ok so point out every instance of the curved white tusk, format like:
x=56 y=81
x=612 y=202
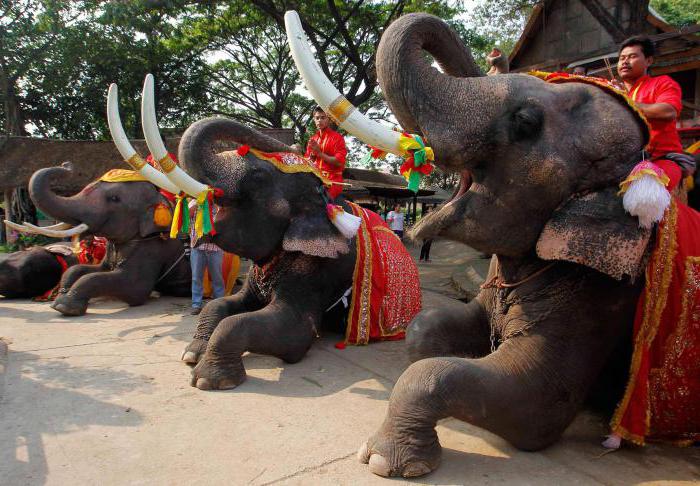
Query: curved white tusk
x=58 y=227
x=52 y=231
x=329 y=98
x=76 y=230
x=19 y=227
x=155 y=144
x=127 y=151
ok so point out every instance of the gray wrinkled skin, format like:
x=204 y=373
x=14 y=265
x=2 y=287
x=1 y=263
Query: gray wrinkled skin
x=137 y=256
x=31 y=272
x=545 y=160
x=279 y=221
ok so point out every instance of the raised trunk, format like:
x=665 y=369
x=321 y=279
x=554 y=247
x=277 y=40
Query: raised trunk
x=201 y=142
x=67 y=209
x=453 y=112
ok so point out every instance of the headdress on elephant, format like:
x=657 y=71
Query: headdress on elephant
x=291 y=163
x=162 y=213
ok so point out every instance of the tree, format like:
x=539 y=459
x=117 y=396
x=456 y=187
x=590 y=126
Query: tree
x=678 y=12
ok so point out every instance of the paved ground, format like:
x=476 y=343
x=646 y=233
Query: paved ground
x=103 y=399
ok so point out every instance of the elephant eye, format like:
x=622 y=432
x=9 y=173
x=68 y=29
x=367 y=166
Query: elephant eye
x=527 y=123
x=113 y=198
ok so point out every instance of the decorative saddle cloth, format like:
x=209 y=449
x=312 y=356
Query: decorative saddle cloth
x=386 y=291
x=662 y=400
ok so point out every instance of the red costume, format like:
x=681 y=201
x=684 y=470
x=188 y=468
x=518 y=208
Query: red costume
x=332 y=143
x=386 y=291
x=663 y=134
x=662 y=399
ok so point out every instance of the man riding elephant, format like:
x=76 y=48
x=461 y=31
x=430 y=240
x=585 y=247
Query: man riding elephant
x=545 y=160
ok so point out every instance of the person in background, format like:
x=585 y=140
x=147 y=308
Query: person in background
x=204 y=254
x=425 y=249
x=395 y=220
x=327 y=150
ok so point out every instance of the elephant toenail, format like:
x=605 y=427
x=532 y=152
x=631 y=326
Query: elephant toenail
x=189 y=357
x=363 y=453
x=379 y=465
x=415 y=469
x=227 y=385
x=204 y=384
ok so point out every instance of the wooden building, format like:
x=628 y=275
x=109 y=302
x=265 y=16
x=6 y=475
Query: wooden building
x=563 y=34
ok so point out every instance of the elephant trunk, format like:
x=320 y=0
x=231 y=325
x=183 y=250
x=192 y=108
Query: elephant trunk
x=198 y=146
x=67 y=209
x=453 y=109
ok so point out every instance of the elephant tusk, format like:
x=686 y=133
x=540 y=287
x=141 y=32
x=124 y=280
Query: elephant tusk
x=126 y=150
x=329 y=98
x=155 y=144
x=19 y=227
x=38 y=229
x=61 y=230
x=76 y=230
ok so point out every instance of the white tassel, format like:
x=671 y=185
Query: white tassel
x=347 y=223
x=647 y=199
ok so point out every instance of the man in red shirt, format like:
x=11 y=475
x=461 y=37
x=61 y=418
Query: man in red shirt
x=658 y=98
x=327 y=149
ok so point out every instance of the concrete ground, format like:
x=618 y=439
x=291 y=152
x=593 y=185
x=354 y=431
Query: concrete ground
x=103 y=399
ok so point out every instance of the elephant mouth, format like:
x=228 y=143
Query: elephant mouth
x=465 y=181
x=435 y=222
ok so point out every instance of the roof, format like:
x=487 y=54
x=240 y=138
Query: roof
x=20 y=157
x=364 y=182
x=561 y=34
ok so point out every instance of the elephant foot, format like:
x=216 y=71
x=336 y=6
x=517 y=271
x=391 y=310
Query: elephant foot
x=69 y=307
x=209 y=376
x=194 y=351
x=387 y=456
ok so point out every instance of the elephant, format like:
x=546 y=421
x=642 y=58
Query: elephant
x=134 y=217
x=273 y=209
x=34 y=271
x=545 y=161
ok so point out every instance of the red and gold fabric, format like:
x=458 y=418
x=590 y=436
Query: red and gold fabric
x=332 y=143
x=662 y=398
x=91 y=252
x=386 y=291
x=230 y=267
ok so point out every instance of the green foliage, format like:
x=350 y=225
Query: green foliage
x=678 y=12
x=25 y=241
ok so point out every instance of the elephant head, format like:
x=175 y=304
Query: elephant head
x=264 y=206
x=543 y=158
x=119 y=211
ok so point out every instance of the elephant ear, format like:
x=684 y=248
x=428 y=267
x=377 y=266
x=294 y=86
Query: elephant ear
x=315 y=235
x=594 y=230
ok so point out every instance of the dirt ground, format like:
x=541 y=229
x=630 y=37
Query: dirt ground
x=103 y=399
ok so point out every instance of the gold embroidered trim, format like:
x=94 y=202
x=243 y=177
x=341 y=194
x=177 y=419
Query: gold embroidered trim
x=167 y=164
x=136 y=162
x=340 y=109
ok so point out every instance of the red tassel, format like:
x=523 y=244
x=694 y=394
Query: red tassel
x=243 y=149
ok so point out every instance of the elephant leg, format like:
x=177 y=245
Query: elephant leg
x=125 y=286
x=74 y=273
x=449 y=328
x=277 y=330
x=526 y=400
x=212 y=314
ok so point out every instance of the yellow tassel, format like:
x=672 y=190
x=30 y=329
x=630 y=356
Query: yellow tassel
x=175 y=227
